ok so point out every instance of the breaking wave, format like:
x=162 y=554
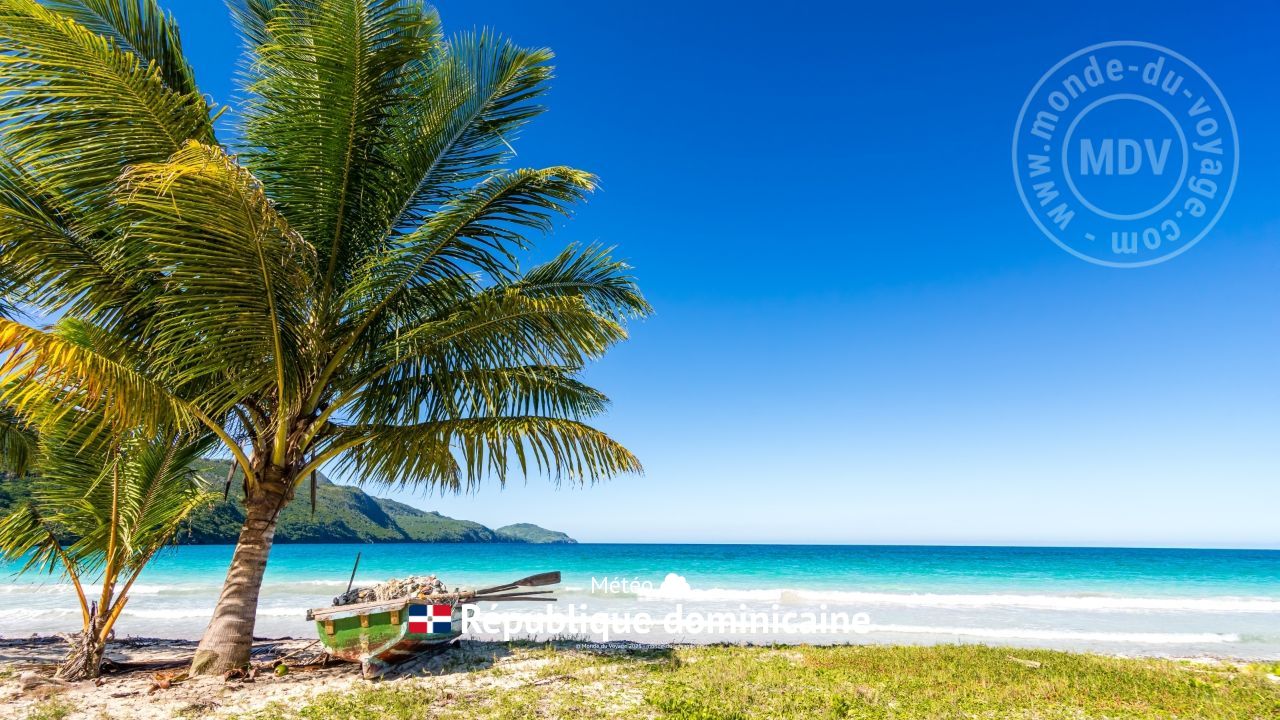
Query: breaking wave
x=676 y=587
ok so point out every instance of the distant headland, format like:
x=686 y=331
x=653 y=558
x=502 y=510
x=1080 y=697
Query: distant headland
x=343 y=514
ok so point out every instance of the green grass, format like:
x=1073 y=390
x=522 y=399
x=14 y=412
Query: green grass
x=902 y=683
x=53 y=709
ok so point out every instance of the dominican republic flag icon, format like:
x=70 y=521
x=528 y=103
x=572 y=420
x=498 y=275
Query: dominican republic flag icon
x=430 y=618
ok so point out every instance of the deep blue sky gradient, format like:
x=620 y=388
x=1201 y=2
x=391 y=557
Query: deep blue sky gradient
x=860 y=334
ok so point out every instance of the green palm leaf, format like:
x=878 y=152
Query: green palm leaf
x=472 y=104
x=205 y=223
x=75 y=108
x=139 y=27
x=27 y=538
x=458 y=454
x=55 y=375
x=345 y=287
x=17 y=442
x=138 y=486
x=324 y=85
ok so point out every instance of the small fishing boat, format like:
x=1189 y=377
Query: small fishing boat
x=385 y=633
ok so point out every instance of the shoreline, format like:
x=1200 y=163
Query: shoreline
x=147 y=675
x=1167 y=603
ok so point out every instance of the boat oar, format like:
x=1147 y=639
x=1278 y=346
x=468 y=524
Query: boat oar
x=547 y=578
x=353 y=572
x=516 y=596
x=486 y=596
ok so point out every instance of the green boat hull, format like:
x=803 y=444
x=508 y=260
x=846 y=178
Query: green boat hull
x=377 y=635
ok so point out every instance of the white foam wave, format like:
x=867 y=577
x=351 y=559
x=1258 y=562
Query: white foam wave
x=205 y=612
x=51 y=588
x=1145 y=638
x=325 y=583
x=32 y=613
x=675 y=587
x=318 y=587
x=59 y=588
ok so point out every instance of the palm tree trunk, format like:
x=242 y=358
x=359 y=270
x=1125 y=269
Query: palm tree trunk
x=229 y=637
x=84 y=659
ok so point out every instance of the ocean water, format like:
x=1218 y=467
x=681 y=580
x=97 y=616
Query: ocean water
x=1180 y=603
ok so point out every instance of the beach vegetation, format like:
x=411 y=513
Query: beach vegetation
x=801 y=682
x=342 y=280
x=102 y=504
x=98 y=510
x=51 y=709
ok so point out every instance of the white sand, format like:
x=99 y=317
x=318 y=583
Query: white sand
x=28 y=666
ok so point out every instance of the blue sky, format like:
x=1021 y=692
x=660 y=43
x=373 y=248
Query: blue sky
x=860 y=336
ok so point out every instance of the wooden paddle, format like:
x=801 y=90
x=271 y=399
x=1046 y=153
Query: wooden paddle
x=514 y=592
x=547 y=578
x=517 y=596
x=353 y=572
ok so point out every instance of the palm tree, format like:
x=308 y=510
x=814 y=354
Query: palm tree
x=102 y=506
x=342 y=285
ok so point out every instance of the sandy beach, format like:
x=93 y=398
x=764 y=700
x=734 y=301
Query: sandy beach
x=146 y=679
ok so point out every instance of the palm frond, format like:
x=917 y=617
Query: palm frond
x=75 y=108
x=251 y=18
x=446 y=393
x=79 y=473
x=559 y=314
x=474 y=99
x=476 y=231
x=57 y=261
x=51 y=374
x=125 y=494
x=8 y=283
x=140 y=27
x=26 y=538
x=457 y=454
x=17 y=442
x=205 y=223
x=324 y=80
x=494 y=329
x=591 y=274
x=147 y=479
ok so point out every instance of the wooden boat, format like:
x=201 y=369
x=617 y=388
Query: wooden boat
x=377 y=634
x=380 y=635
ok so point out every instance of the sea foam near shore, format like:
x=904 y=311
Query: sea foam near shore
x=1224 y=603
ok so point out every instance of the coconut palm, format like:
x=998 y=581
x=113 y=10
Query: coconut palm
x=102 y=506
x=341 y=285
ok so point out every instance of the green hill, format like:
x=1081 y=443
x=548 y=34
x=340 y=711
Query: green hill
x=342 y=514
x=530 y=533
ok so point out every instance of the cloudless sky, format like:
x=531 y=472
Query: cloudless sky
x=860 y=336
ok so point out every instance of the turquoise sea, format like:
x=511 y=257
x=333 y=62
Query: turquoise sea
x=1127 y=601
